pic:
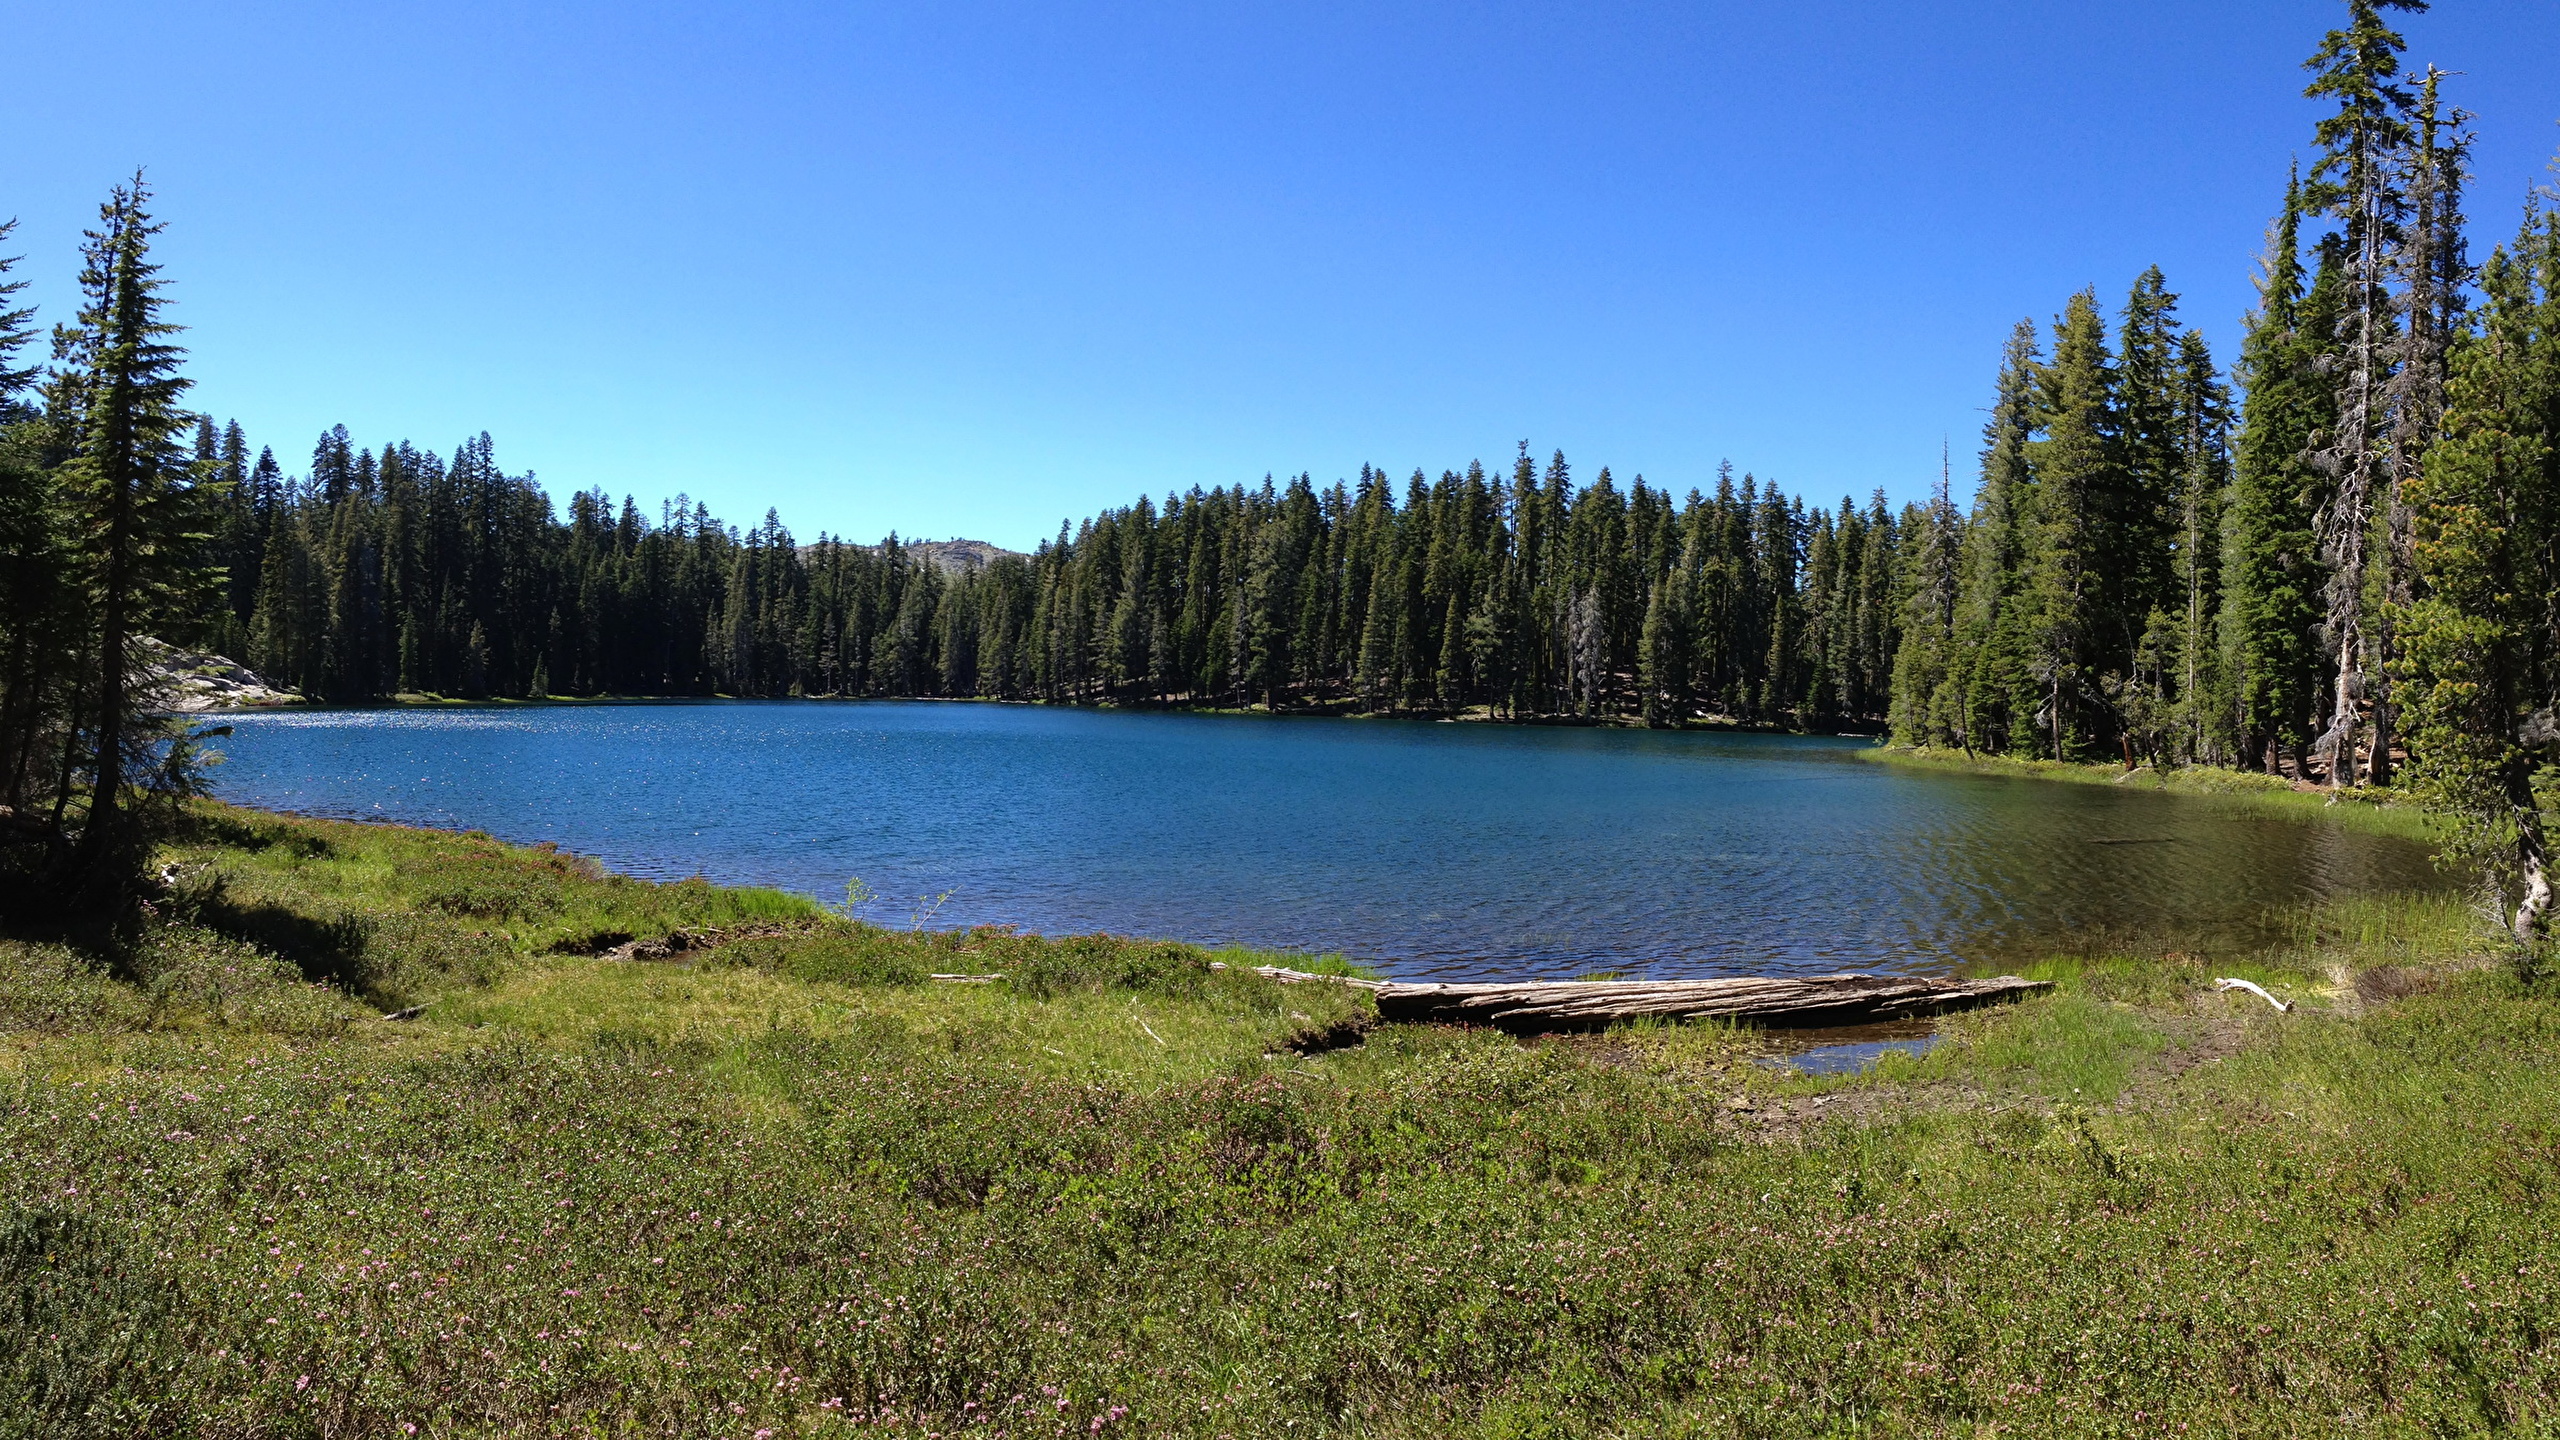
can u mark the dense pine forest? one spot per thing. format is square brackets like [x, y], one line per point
[391, 571]
[2334, 556]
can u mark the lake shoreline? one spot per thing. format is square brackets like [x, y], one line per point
[1447, 853]
[1470, 715]
[2378, 812]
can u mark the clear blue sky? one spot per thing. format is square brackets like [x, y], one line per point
[958, 268]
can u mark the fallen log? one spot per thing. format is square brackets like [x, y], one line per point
[1846, 999]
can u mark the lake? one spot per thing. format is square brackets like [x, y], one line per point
[1430, 850]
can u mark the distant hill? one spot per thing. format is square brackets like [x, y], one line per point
[951, 557]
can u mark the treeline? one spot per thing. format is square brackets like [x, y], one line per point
[393, 570]
[2362, 565]
[2131, 578]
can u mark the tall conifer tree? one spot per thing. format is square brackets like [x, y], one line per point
[2483, 657]
[136, 509]
[2353, 181]
[2079, 621]
[2271, 569]
[38, 619]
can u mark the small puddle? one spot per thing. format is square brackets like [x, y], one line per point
[1848, 1048]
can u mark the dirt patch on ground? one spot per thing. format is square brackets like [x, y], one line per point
[1787, 1118]
[1751, 1099]
[2202, 1031]
[1740, 1089]
[1314, 1037]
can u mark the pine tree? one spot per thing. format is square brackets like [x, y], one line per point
[476, 665]
[1876, 623]
[2353, 182]
[2433, 272]
[1927, 707]
[2271, 567]
[136, 509]
[2079, 478]
[2480, 666]
[2142, 512]
[38, 660]
[1663, 653]
[2203, 708]
[1996, 618]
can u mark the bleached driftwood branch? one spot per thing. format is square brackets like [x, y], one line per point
[1303, 977]
[2254, 989]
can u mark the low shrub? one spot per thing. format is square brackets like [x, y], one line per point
[1043, 969]
[835, 955]
[92, 1326]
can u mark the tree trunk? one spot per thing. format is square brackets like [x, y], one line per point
[2337, 746]
[97, 831]
[2377, 766]
[2537, 883]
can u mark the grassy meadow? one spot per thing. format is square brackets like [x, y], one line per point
[780, 1183]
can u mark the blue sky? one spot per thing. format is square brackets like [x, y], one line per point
[971, 268]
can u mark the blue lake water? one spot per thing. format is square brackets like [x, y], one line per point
[1431, 850]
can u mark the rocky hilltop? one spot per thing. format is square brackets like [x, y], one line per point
[952, 557]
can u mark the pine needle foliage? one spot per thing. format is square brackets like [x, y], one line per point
[105, 505]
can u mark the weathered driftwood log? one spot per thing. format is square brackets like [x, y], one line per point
[1794, 1000]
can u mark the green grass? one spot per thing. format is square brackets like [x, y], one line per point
[2379, 812]
[788, 1186]
[2073, 1045]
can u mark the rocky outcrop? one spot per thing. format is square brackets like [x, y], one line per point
[951, 557]
[190, 681]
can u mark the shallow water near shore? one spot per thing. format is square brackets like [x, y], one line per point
[1433, 851]
[1847, 1049]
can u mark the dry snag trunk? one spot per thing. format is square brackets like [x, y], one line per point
[2536, 883]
